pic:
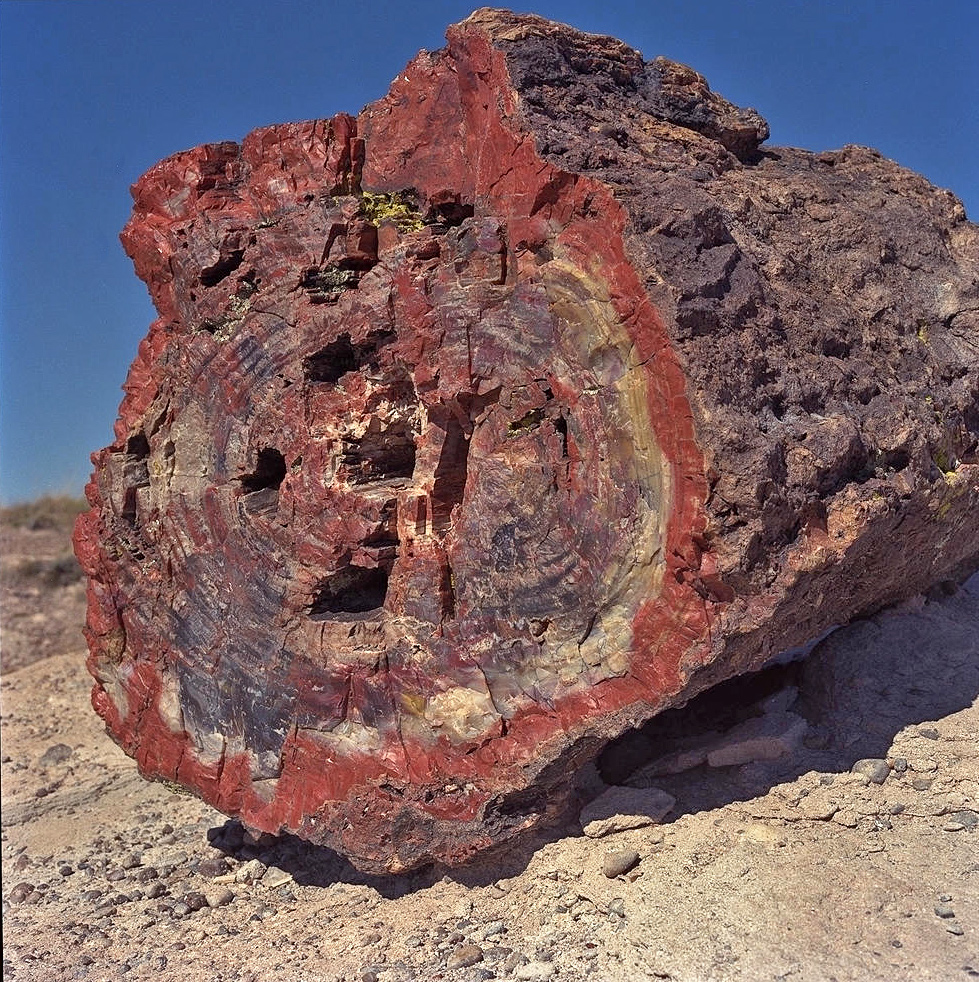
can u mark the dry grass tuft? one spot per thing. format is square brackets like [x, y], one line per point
[50, 512]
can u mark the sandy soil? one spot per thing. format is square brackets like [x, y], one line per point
[798, 868]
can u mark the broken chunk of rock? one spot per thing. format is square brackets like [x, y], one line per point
[618, 863]
[621, 808]
[767, 737]
[873, 768]
[482, 427]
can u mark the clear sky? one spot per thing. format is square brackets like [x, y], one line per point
[93, 92]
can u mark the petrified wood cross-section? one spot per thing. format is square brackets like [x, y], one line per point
[483, 427]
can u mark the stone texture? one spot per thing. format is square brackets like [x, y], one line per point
[874, 769]
[480, 428]
[621, 808]
[620, 862]
[765, 737]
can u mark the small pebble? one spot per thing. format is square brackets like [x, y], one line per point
[496, 953]
[954, 929]
[57, 754]
[818, 810]
[20, 893]
[928, 732]
[513, 961]
[155, 890]
[619, 862]
[250, 872]
[535, 970]
[274, 877]
[464, 956]
[966, 818]
[873, 768]
[219, 898]
[493, 929]
[212, 867]
[944, 911]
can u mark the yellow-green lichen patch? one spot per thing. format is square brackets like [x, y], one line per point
[391, 207]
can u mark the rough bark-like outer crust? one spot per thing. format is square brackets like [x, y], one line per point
[487, 425]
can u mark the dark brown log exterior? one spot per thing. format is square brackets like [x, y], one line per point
[482, 427]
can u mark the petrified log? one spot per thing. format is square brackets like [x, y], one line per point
[487, 425]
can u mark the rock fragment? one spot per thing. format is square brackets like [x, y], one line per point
[767, 737]
[56, 754]
[535, 970]
[964, 819]
[464, 956]
[623, 808]
[251, 872]
[19, 893]
[219, 897]
[818, 808]
[874, 769]
[619, 862]
[274, 877]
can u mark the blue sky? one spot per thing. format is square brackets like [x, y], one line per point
[93, 92]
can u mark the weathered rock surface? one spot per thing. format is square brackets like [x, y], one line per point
[620, 808]
[480, 428]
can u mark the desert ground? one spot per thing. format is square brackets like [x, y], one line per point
[822, 823]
